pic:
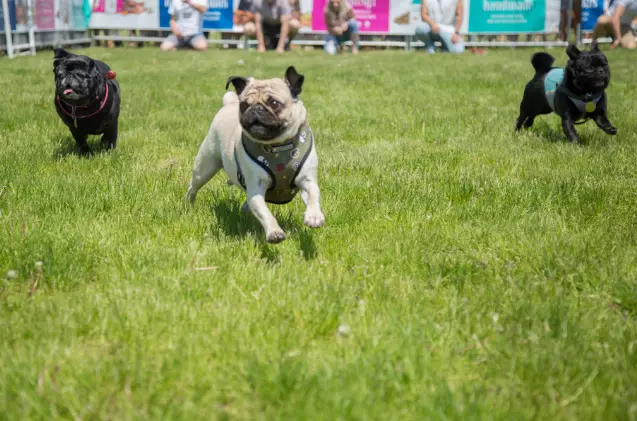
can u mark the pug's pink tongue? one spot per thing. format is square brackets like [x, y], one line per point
[68, 91]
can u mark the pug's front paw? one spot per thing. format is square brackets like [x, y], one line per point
[610, 130]
[314, 219]
[275, 236]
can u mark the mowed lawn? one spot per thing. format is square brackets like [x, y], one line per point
[464, 272]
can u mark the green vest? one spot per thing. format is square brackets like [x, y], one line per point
[282, 162]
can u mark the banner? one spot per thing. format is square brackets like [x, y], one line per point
[393, 17]
[372, 15]
[404, 16]
[49, 15]
[218, 16]
[591, 11]
[125, 14]
[11, 12]
[44, 14]
[506, 16]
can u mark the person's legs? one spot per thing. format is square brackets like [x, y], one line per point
[447, 43]
[169, 43]
[271, 35]
[331, 44]
[563, 20]
[628, 37]
[603, 27]
[250, 30]
[198, 42]
[352, 34]
[424, 34]
[293, 30]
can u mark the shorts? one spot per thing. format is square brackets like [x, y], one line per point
[185, 42]
[271, 35]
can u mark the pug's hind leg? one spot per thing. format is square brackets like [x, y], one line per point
[310, 193]
[205, 167]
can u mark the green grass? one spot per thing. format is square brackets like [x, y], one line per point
[482, 275]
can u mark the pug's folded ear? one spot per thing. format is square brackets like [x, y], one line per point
[238, 82]
[594, 46]
[59, 53]
[572, 52]
[294, 80]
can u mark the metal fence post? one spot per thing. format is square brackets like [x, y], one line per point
[7, 28]
[569, 20]
[31, 27]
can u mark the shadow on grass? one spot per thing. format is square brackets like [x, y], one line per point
[548, 133]
[237, 223]
[307, 244]
[68, 147]
[556, 135]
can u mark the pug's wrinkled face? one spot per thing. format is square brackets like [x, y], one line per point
[77, 80]
[588, 70]
[269, 110]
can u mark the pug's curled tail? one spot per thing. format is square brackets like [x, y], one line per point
[230, 98]
[542, 63]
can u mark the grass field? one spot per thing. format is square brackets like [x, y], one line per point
[464, 272]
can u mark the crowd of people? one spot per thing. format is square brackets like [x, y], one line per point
[275, 24]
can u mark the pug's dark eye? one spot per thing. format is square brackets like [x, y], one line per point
[274, 104]
[243, 106]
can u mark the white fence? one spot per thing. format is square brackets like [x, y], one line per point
[384, 23]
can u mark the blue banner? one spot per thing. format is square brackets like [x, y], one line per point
[506, 16]
[11, 15]
[218, 16]
[591, 11]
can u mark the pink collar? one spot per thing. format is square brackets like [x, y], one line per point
[73, 115]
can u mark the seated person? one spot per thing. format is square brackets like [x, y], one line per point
[617, 24]
[341, 24]
[442, 20]
[185, 23]
[272, 25]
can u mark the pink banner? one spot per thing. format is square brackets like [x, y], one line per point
[108, 6]
[44, 14]
[372, 15]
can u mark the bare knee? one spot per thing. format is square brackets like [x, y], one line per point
[604, 19]
[200, 45]
[167, 46]
[250, 29]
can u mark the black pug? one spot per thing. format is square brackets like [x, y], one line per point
[87, 98]
[574, 93]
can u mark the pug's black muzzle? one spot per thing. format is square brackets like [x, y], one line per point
[73, 91]
[261, 123]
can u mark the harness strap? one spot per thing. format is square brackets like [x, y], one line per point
[263, 164]
[73, 113]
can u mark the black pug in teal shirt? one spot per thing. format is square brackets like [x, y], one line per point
[576, 92]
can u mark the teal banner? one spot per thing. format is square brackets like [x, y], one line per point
[506, 16]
